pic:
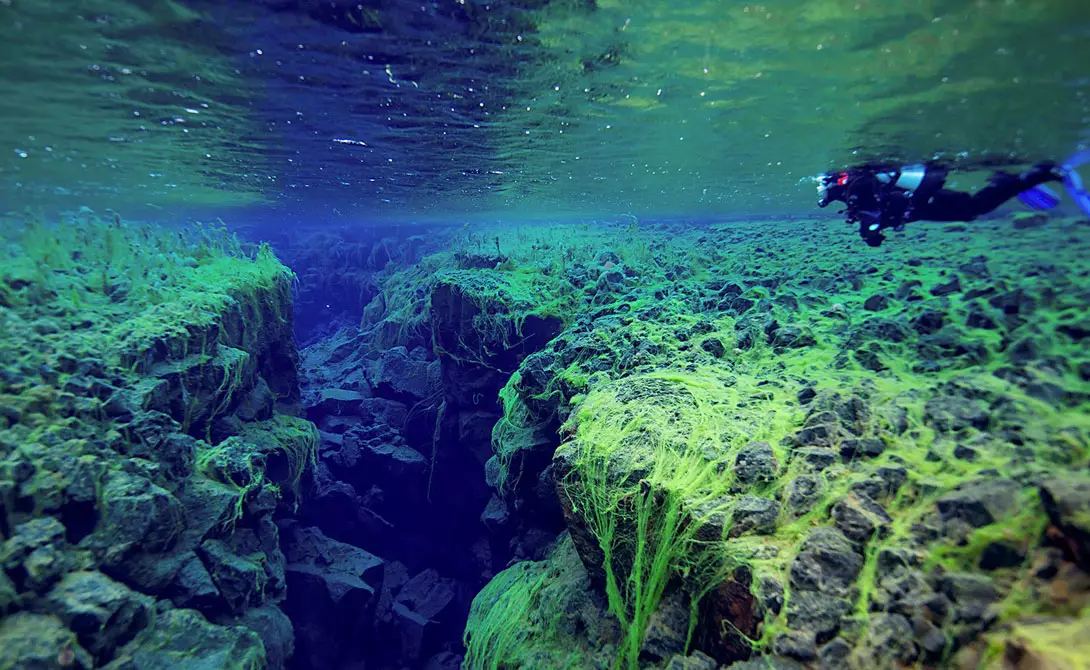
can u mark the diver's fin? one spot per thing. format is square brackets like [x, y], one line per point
[1073, 183]
[1077, 159]
[1040, 197]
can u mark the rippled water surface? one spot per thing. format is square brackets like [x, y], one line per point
[525, 108]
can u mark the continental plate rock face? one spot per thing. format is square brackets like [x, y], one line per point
[781, 451]
[147, 441]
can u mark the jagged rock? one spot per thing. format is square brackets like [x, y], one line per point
[193, 587]
[103, 613]
[858, 517]
[667, 629]
[158, 439]
[876, 303]
[695, 661]
[1067, 503]
[907, 291]
[998, 555]
[729, 617]
[977, 317]
[334, 569]
[796, 645]
[275, 630]
[186, 634]
[826, 563]
[1017, 302]
[9, 596]
[38, 550]
[889, 641]
[495, 513]
[327, 595]
[768, 663]
[972, 596]
[817, 458]
[979, 503]
[869, 447]
[954, 413]
[240, 581]
[414, 620]
[928, 321]
[714, 346]
[335, 401]
[793, 336]
[802, 492]
[399, 374]
[136, 512]
[754, 514]
[877, 329]
[755, 464]
[946, 288]
[819, 435]
[816, 614]
[835, 654]
[38, 642]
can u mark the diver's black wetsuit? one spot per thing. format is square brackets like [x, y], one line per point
[876, 201]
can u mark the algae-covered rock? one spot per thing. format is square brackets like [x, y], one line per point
[103, 613]
[1067, 502]
[140, 356]
[542, 615]
[39, 642]
[184, 638]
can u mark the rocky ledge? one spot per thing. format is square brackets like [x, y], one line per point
[148, 441]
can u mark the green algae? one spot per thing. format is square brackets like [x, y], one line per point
[676, 430]
[139, 363]
[644, 516]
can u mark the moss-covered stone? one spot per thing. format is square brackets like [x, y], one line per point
[132, 357]
[899, 490]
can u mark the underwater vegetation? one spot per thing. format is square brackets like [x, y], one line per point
[606, 445]
[782, 449]
[148, 435]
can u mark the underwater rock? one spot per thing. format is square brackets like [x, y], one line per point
[539, 614]
[695, 661]
[39, 641]
[876, 303]
[327, 595]
[954, 414]
[399, 374]
[754, 514]
[796, 645]
[980, 502]
[667, 629]
[827, 563]
[729, 618]
[178, 633]
[1067, 502]
[802, 492]
[103, 613]
[889, 639]
[859, 517]
[276, 633]
[410, 621]
[928, 321]
[755, 464]
[947, 288]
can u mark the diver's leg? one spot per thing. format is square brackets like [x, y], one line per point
[1005, 186]
[947, 205]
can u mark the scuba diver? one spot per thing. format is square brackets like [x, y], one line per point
[880, 197]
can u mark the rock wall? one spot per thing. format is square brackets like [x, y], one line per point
[781, 451]
[147, 447]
